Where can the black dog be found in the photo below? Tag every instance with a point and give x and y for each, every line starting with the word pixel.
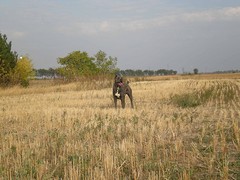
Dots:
pixel 120 89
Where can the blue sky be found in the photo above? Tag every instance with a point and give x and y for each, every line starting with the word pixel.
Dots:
pixel 142 34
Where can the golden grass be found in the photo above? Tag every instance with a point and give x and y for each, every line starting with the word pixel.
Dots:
pixel 72 131
pixel 187 76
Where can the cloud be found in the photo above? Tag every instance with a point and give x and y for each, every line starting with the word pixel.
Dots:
pixel 18 35
pixel 129 7
pixel 131 24
pixel 231 13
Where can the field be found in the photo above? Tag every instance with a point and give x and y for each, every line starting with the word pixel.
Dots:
pixel 182 127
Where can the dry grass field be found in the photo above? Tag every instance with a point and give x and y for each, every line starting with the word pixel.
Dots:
pixel 183 127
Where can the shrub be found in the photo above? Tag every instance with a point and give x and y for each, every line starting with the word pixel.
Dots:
pixel 23 71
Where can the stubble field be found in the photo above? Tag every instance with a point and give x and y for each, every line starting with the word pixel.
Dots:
pixel 181 128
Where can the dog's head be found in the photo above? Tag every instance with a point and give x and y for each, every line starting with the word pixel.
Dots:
pixel 118 78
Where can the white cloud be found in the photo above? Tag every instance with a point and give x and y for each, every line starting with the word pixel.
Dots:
pixel 231 13
pixel 119 25
pixel 104 26
pixel 18 35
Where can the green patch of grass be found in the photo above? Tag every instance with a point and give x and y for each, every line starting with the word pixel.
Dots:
pixel 235 165
pixel 186 100
pixel 27 170
pixel 225 92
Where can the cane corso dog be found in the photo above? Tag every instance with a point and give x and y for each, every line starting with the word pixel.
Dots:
pixel 120 89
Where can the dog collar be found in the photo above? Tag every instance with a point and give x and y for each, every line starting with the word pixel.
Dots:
pixel 120 84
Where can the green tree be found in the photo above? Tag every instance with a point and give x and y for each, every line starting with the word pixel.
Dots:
pixel 45 72
pixel 129 72
pixel 148 72
pixel 195 71
pixel 105 65
pixel 23 71
pixel 76 64
pixel 8 60
pixel 139 72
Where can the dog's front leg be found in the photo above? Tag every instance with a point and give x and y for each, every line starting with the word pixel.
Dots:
pixel 115 101
pixel 123 101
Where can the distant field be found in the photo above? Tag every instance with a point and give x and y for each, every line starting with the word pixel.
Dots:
pixel 183 127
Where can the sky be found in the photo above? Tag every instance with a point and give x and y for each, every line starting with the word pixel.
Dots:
pixel 142 34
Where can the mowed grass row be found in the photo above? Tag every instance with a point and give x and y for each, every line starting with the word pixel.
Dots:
pixel 73 132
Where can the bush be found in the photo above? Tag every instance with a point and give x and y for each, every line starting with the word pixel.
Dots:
pixel 23 71
pixel 24 83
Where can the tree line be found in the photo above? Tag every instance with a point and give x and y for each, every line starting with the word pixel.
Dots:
pixel 74 66
pixel 139 72
pixel 54 73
